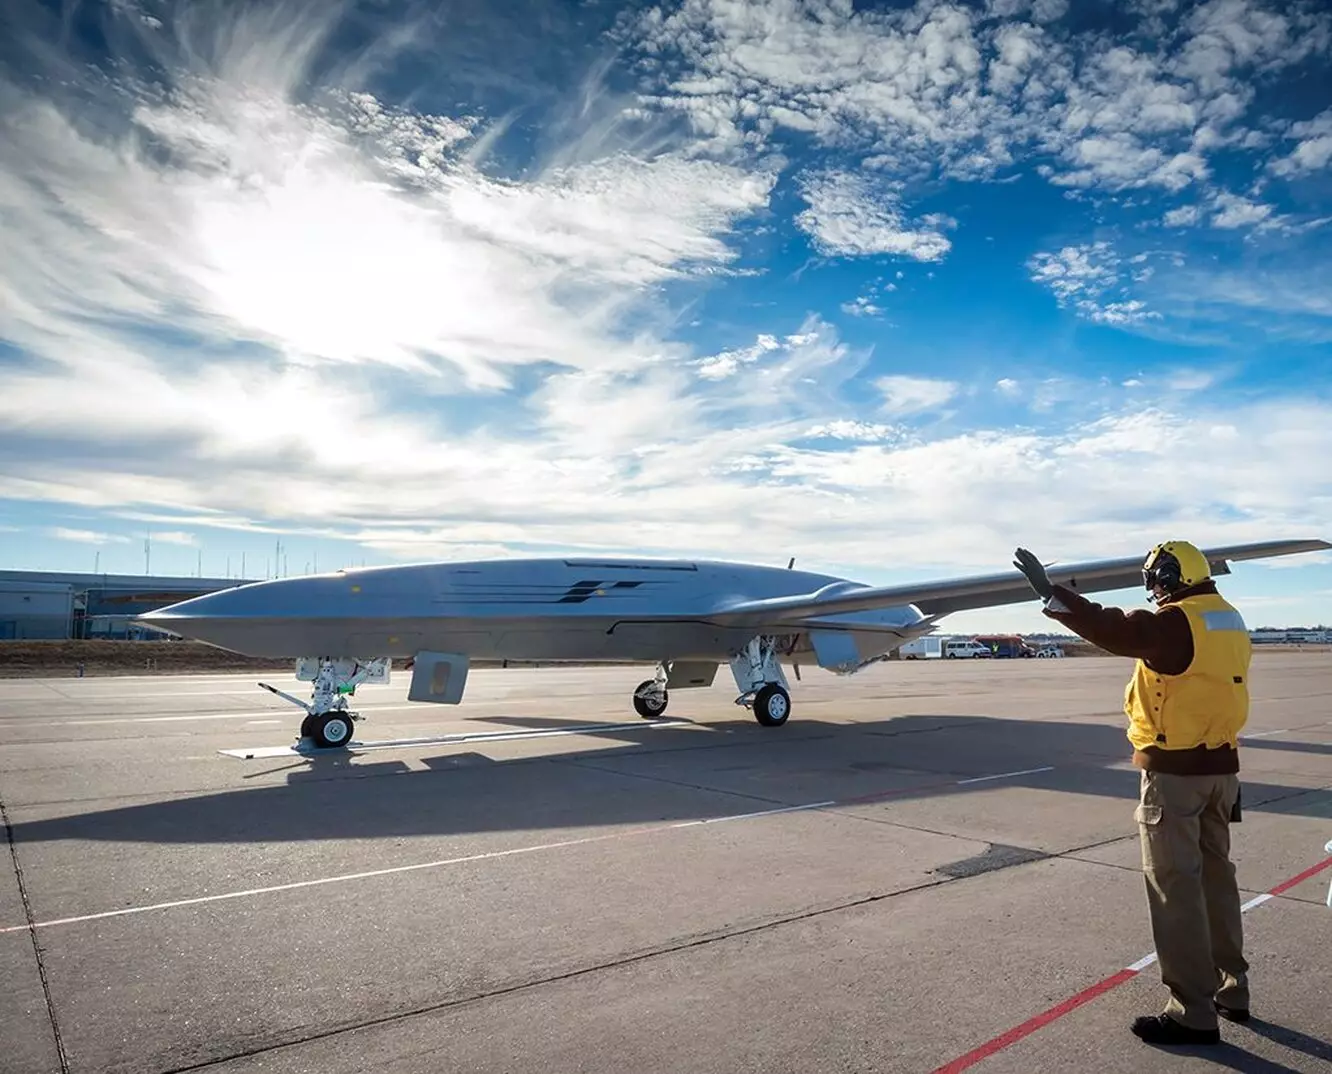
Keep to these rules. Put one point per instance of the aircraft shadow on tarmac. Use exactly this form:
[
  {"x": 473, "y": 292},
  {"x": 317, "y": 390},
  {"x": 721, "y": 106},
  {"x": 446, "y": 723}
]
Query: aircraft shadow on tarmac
[
  {"x": 676, "y": 774},
  {"x": 1294, "y": 747}
]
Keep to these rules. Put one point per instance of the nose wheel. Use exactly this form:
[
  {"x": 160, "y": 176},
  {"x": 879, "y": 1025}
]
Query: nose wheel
[{"x": 329, "y": 731}]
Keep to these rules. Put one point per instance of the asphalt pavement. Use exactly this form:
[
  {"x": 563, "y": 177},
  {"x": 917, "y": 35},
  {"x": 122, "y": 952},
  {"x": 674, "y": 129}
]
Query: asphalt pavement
[{"x": 932, "y": 867}]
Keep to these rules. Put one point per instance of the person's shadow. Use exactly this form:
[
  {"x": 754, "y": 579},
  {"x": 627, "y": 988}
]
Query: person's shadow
[
  {"x": 1233, "y": 1056},
  {"x": 1291, "y": 1038}
]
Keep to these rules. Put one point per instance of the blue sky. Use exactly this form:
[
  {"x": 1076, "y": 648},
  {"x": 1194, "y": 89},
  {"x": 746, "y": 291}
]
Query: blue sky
[{"x": 889, "y": 288}]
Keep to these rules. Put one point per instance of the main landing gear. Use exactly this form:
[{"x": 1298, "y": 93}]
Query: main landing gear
[
  {"x": 763, "y": 687},
  {"x": 650, "y": 696},
  {"x": 758, "y": 676}
]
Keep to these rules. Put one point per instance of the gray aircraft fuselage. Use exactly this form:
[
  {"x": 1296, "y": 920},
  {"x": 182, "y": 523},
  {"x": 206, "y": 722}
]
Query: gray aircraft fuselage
[{"x": 585, "y": 609}]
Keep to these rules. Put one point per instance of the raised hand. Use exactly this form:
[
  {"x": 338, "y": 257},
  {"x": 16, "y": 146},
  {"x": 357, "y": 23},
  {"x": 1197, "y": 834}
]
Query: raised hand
[{"x": 1029, "y": 565}]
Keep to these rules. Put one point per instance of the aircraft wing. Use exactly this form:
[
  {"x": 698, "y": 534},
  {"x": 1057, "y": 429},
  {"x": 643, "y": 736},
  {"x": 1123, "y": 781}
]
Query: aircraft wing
[{"x": 982, "y": 591}]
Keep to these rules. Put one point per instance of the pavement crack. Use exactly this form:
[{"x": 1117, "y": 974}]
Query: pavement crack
[{"x": 31, "y": 920}]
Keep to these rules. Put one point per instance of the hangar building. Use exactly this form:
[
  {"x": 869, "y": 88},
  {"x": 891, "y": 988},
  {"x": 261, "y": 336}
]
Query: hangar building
[{"x": 56, "y": 606}]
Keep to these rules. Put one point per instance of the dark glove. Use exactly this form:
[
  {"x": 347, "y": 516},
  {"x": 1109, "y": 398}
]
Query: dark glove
[{"x": 1035, "y": 572}]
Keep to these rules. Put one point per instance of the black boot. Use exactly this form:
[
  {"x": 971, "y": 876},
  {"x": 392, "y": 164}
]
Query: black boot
[{"x": 1162, "y": 1029}]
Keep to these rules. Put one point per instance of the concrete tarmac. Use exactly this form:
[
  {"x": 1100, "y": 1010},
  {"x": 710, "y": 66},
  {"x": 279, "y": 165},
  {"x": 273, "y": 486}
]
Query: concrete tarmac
[{"x": 932, "y": 867}]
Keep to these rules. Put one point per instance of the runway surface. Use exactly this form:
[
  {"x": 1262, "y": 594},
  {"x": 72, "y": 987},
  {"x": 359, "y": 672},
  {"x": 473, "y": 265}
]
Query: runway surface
[{"x": 933, "y": 867}]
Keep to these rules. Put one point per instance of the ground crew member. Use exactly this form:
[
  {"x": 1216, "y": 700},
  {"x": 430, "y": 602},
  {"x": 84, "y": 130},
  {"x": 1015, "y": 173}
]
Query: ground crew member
[{"x": 1186, "y": 702}]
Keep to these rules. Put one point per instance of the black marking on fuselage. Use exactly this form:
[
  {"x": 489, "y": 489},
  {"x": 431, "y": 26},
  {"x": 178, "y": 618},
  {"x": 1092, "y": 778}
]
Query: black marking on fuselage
[{"x": 581, "y": 591}]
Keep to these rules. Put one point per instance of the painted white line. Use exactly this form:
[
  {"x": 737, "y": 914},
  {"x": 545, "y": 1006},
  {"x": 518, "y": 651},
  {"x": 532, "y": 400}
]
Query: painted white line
[
  {"x": 291, "y": 710},
  {"x": 345, "y": 877},
  {"x": 1257, "y": 900},
  {"x": 437, "y": 864},
  {"x": 1265, "y": 734},
  {"x": 152, "y": 695},
  {"x": 166, "y": 719},
  {"x": 1005, "y": 775},
  {"x": 753, "y": 816},
  {"x": 354, "y": 746}
]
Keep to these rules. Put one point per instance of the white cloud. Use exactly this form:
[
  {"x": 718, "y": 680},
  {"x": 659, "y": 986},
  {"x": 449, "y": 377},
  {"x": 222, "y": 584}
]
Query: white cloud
[
  {"x": 1184, "y": 216},
  {"x": 1075, "y": 270},
  {"x": 943, "y": 89},
  {"x": 1234, "y": 211},
  {"x": 728, "y": 363},
  {"x": 862, "y": 306},
  {"x": 1191, "y": 380},
  {"x": 1312, "y": 559},
  {"x": 849, "y": 216},
  {"x": 345, "y": 233},
  {"x": 1086, "y": 277},
  {"x": 909, "y": 395},
  {"x": 177, "y": 537},
  {"x": 864, "y": 431},
  {"x": 1007, "y": 386},
  {"x": 1314, "y": 151},
  {"x": 323, "y": 314},
  {"x": 62, "y": 533}
]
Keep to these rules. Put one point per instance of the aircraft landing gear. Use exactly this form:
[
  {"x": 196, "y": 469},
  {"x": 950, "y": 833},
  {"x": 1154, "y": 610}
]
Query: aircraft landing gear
[
  {"x": 763, "y": 686},
  {"x": 328, "y": 722},
  {"x": 330, "y": 730},
  {"x": 650, "y": 695},
  {"x": 772, "y": 705}
]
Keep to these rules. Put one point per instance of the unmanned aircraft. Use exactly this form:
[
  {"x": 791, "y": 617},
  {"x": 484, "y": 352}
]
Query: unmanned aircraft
[{"x": 688, "y": 617}]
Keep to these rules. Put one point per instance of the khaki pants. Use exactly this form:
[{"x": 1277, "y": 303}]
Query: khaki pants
[{"x": 1184, "y": 823}]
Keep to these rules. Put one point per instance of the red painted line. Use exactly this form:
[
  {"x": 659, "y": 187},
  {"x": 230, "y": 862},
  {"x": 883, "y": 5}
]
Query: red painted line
[
  {"x": 1314, "y": 870},
  {"x": 1027, "y": 1028},
  {"x": 1031, "y": 1025}
]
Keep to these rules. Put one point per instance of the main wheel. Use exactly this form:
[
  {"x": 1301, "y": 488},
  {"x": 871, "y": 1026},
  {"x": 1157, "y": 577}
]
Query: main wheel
[
  {"x": 649, "y": 706},
  {"x": 772, "y": 705},
  {"x": 331, "y": 730}
]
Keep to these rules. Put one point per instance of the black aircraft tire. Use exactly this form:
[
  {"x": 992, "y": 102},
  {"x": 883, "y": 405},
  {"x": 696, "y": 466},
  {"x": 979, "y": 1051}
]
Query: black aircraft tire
[
  {"x": 339, "y": 723},
  {"x": 647, "y": 707},
  {"x": 772, "y": 706}
]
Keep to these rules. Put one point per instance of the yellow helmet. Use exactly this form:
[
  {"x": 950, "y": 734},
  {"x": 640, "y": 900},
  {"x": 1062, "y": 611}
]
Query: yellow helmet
[{"x": 1174, "y": 565}]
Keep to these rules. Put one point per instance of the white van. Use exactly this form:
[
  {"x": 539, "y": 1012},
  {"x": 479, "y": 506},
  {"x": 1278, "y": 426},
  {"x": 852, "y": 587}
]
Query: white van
[{"x": 965, "y": 650}]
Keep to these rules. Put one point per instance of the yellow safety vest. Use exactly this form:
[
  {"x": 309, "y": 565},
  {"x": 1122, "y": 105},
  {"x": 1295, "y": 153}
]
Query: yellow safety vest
[{"x": 1208, "y": 705}]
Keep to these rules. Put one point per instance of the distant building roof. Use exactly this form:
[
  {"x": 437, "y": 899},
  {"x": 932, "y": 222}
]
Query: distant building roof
[{"x": 120, "y": 581}]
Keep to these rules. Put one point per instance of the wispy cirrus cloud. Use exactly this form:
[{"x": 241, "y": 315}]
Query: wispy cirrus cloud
[
  {"x": 908, "y": 395},
  {"x": 79, "y": 536}
]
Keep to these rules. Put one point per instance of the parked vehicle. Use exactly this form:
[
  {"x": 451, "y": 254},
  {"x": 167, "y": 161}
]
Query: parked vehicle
[
  {"x": 1006, "y": 645},
  {"x": 960, "y": 649},
  {"x": 929, "y": 647}
]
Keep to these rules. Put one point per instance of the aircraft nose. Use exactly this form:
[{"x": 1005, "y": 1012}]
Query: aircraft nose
[
  {"x": 253, "y": 619},
  {"x": 257, "y": 600}
]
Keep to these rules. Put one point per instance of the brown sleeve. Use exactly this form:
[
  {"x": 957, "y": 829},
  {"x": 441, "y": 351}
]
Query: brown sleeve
[{"x": 1162, "y": 639}]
